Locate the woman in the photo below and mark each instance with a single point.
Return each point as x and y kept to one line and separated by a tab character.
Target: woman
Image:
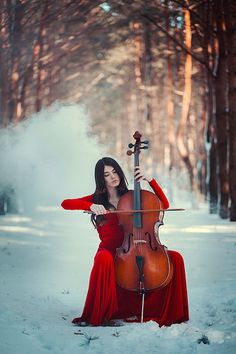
105	300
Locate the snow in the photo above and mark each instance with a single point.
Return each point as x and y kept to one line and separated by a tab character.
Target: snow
45	264
47	254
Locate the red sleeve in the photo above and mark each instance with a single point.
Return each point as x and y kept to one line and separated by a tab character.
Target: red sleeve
83	203
159	192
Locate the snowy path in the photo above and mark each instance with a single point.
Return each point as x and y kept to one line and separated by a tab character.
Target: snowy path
45	261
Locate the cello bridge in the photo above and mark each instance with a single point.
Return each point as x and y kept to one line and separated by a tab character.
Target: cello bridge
139	241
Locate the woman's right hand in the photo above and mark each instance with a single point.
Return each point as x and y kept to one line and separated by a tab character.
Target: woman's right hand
98	209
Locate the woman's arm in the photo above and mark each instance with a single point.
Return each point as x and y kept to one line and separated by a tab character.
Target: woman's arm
141	176
83	203
159	192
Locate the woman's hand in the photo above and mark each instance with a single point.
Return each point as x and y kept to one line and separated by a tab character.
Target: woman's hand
98	209
140	176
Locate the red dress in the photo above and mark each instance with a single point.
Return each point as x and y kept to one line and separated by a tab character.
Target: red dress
106	300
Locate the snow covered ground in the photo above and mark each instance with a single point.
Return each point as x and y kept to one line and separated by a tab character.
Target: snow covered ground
45	263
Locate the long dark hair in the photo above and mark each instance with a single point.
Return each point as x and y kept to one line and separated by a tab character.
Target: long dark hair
101	195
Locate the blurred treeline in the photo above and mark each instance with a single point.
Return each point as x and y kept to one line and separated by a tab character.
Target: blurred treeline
166	68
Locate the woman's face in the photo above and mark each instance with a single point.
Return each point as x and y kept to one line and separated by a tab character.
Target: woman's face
111	177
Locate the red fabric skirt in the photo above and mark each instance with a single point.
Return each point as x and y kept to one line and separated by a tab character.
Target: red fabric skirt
105	300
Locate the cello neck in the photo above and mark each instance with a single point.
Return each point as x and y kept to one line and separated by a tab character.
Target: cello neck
137	219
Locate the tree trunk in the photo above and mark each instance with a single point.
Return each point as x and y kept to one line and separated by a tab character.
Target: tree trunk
230	18
170	108
202	160
210	136
138	72
3	75
15	13
211	179
39	65
182	148
221	115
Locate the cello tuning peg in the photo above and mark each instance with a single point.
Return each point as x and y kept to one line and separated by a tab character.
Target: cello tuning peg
145	142
144	147
130	145
129	152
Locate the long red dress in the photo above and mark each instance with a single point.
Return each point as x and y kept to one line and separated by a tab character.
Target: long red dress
106	300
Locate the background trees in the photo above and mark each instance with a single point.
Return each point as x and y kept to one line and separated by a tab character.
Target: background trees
166	68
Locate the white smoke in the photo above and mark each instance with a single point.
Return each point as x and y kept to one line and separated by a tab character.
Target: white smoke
48	157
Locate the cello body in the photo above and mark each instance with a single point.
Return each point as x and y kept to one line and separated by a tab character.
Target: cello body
157	267
142	262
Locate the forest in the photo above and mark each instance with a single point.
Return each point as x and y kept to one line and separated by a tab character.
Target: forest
167	67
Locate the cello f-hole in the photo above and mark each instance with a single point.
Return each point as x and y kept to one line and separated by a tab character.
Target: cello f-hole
150	241
128	248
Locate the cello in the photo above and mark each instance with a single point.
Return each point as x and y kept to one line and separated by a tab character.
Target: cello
142	262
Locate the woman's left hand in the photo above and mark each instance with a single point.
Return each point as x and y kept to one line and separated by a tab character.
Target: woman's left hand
140	176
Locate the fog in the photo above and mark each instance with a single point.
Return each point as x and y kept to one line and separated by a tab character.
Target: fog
48	157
